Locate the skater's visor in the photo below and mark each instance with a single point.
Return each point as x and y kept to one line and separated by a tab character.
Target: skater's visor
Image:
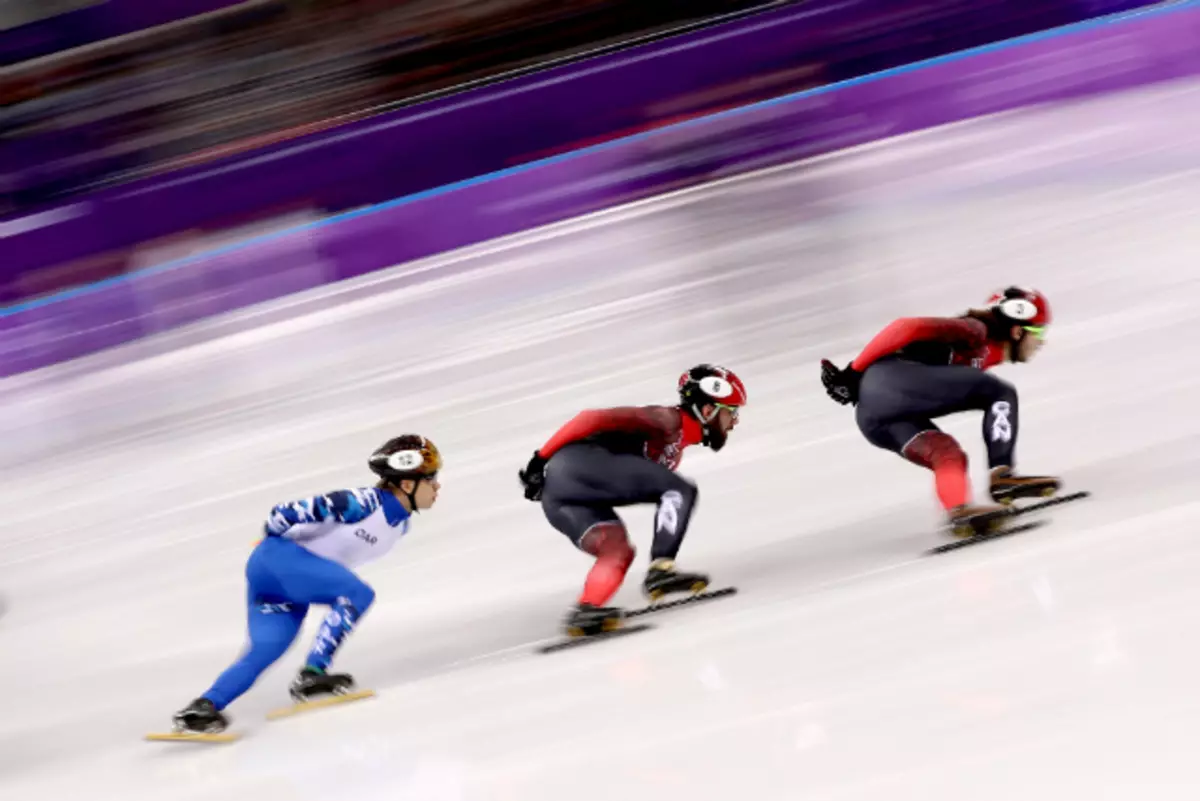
733	410
1038	331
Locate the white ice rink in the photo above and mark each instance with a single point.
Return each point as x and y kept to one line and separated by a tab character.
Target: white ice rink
1061	665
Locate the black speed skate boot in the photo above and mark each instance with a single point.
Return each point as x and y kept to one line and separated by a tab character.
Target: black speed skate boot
200	717
1008	487
970	521
312	684
586	620
663	579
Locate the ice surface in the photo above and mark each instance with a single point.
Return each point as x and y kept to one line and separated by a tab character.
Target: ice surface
1060	664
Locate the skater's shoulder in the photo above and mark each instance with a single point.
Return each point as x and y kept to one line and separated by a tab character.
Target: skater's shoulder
362	502
354	504
947	327
345	506
666	417
642	417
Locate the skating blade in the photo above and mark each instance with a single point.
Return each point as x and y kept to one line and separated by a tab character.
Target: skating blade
189	737
321	703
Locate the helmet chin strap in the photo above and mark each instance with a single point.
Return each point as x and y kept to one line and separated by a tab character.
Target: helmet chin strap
707	441
412	496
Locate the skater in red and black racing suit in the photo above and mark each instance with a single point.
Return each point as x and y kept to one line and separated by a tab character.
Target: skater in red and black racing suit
607	458
919	369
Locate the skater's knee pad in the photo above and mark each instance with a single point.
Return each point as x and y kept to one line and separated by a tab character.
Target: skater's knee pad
610	542
935	450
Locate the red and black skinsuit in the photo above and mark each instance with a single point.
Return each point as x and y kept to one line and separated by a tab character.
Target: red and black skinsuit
919	369
607	458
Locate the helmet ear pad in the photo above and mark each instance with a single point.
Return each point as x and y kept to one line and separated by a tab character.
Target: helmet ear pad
406	457
1020	306
1019	309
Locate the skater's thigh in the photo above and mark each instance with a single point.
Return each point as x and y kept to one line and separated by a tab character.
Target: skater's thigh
576	520
272	623
305	578
589	475
895	434
582	474
900	390
646	481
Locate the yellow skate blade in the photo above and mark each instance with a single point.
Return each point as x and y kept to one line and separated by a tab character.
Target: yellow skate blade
189	737
308	706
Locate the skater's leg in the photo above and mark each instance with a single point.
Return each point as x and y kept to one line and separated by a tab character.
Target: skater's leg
919	441
609	543
898	401
999	399
590	478
312	579
273	626
898	391
272	621
941	453
1001	427
674	513
595	530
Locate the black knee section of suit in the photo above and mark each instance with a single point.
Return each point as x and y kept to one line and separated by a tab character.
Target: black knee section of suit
1000	424
672	517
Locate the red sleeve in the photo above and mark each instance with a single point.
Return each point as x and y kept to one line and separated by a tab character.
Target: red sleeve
632	419
907	330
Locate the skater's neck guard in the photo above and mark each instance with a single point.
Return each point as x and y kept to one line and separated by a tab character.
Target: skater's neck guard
393	511
999	329
694	430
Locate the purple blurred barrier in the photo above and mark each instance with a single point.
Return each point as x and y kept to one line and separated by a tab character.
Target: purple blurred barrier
1140	48
440	142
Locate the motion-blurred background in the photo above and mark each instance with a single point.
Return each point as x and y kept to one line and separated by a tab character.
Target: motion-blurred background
109	94
243	244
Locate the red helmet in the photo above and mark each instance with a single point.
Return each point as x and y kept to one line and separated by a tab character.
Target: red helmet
1022	306
710	383
707	384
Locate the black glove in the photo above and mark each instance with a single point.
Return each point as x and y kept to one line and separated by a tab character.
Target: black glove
841	385
534	477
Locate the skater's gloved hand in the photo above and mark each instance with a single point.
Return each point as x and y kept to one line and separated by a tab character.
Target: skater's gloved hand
534	477
841	385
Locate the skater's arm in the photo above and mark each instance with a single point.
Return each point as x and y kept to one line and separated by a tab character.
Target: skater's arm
907	330
633	419
342	506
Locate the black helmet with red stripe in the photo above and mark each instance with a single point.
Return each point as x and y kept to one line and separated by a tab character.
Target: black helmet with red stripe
710	385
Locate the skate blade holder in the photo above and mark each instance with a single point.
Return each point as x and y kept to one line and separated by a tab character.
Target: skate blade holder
696	589
606	627
320	703
1049	492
